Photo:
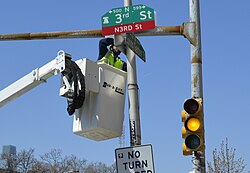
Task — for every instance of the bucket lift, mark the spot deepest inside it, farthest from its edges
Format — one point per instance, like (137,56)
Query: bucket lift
(95,94)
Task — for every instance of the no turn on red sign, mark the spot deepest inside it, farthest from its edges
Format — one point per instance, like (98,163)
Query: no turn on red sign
(137,159)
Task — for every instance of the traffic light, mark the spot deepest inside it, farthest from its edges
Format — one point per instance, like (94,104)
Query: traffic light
(193,129)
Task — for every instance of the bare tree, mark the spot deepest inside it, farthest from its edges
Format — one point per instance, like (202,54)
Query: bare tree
(75,164)
(55,162)
(112,168)
(99,167)
(39,167)
(9,162)
(25,160)
(52,160)
(224,160)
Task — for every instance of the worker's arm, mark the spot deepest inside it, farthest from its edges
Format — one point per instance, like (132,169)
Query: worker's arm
(103,44)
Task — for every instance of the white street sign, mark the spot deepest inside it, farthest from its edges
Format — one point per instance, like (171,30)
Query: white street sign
(137,159)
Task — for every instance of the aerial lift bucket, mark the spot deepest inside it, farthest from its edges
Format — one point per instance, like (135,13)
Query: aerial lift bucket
(102,114)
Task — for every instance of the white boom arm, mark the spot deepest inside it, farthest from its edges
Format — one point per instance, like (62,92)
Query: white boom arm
(33,79)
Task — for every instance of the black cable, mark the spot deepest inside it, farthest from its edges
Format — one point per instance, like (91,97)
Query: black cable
(81,92)
(72,96)
(75,97)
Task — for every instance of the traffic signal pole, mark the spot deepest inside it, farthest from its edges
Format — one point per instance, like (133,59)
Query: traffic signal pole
(96,33)
(134,113)
(196,76)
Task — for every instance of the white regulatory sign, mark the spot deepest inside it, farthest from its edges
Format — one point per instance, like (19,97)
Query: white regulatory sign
(137,159)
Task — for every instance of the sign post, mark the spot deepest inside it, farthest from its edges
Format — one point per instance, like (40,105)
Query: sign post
(137,159)
(128,19)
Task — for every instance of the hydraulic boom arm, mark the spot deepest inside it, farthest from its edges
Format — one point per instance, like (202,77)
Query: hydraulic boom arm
(33,79)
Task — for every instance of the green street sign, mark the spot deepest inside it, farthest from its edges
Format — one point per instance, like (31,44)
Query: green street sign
(134,44)
(128,15)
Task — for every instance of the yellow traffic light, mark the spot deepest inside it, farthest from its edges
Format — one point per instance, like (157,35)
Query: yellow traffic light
(193,129)
(192,124)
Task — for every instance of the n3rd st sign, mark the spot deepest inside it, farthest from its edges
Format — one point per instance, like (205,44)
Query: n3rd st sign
(128,19)
(137,159)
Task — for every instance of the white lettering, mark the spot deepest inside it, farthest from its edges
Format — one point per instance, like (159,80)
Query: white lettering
(138,26)
(117,29)
(126,9)
(118,10)
(138,7)
(146,15)
(149,14)
(125,15)
(143,14)
(125,28)
(119,18)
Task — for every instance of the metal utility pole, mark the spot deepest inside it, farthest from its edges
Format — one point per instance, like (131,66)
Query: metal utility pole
(196,75)
(97,33)
(134,114)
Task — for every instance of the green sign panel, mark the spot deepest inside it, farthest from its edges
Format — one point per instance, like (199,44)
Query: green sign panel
(128,15)
(134,44)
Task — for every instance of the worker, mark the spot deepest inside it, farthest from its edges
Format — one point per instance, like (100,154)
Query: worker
(110,56)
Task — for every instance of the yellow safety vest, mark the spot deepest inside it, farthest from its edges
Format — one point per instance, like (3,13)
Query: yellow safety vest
(118,63)
(111,60)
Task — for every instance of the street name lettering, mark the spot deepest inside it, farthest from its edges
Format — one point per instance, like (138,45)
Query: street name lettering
(128,28)
(120,17)
(125,28)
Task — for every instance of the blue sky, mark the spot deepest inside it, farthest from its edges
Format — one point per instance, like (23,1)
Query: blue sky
(39,119)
